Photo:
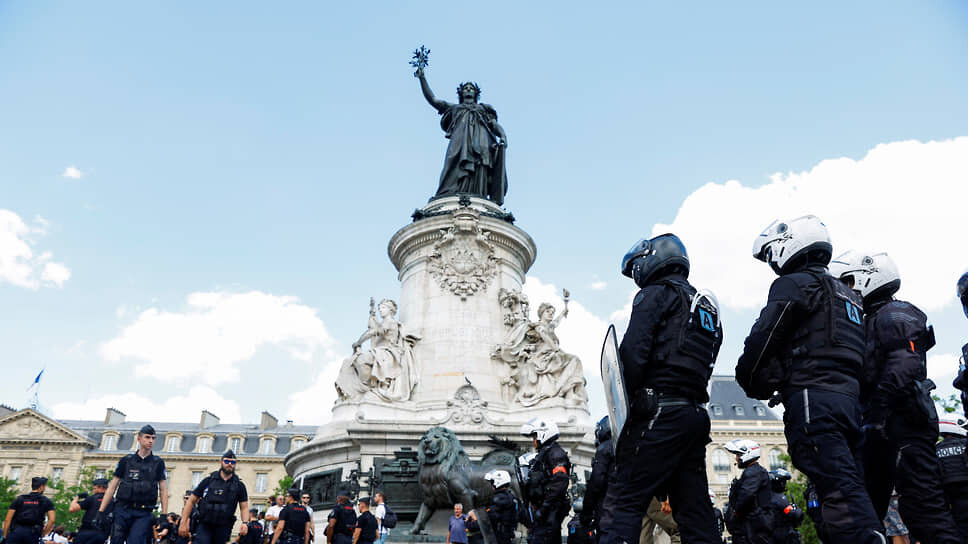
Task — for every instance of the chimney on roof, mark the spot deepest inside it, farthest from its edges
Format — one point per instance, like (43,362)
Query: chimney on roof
(208,420)
(268,421)
(289,423)
(113,417)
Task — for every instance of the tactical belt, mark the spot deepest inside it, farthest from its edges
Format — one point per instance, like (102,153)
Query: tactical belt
(665,401)
(141,507)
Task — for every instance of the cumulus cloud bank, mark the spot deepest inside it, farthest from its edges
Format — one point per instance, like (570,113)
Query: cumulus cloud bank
(217,330)
(905,198)
(185,407)
(19,264)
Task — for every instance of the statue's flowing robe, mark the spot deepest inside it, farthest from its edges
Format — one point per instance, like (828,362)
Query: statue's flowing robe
(474,163)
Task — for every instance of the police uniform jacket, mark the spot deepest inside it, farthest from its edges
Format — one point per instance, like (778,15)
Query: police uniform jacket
(663,348)
(504,514)
(139,480)
(218,498)
(952,461)
(897,333)
(91,504)
(30,510)
(597,485)
(810,335)
(548,478)
(345,518)
(749,502)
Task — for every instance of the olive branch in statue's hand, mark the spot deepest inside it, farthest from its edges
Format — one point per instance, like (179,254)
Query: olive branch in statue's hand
(420,60)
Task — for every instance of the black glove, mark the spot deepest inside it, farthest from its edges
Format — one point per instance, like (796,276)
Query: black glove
(101,522)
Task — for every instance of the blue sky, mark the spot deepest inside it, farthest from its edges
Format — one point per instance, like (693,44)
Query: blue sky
(236,148)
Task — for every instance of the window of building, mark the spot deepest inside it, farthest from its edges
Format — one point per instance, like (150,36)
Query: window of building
(15,473)
(205,444)
(760,411)
(717,409)
(261,482)
(57,474)
(236,445)
(99,473)
(738,410)
(197,478)
(721,461)
(775,461)
(109,442)
(168,475)
(268,446)
(298,443)
(173,444)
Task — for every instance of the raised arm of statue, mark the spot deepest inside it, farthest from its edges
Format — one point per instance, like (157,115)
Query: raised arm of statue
(438,104)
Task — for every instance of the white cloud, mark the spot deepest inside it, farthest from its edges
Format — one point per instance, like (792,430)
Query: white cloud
(72,172)
(942,369)
(19,265)
(217,330)
(905,198)
(598,285)
(580,333)
(136,407)
(314,404)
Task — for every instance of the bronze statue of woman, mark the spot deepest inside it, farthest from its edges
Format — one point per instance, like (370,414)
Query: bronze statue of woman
(474,163)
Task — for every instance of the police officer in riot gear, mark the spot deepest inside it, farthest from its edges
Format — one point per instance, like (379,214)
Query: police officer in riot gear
(30,515)
(217,496)
(578,533)
(786,516)
(668,353)
(89,533)
(954,469)
(504,510)
(597,484)
(295,523)
(749,517)
(341,520)
(961,381)
(547,485)
(898,410)
(808,344)
(139,479)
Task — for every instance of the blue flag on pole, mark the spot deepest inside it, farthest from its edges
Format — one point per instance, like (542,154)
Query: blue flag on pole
(36,380)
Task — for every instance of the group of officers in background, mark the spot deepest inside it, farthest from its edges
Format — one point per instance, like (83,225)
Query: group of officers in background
(844,357)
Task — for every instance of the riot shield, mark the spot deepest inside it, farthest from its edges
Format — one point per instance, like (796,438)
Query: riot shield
(521,470)
(613,377)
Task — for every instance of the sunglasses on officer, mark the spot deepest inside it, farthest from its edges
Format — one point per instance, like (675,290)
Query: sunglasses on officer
(229,461)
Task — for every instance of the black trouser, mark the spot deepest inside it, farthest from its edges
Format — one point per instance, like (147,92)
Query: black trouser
(549,531)
(956,495)
(22,534)
(824,436)
(908,462)
(664,454)
(341,538)
(90,536)
(208,533)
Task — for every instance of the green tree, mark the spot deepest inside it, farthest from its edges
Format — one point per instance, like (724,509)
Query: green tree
(950,405)
(62,495)
(8,492)
(283,487)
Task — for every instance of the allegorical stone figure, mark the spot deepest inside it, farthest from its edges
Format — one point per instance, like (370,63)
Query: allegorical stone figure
(474,163)
(388,368)
(537,367)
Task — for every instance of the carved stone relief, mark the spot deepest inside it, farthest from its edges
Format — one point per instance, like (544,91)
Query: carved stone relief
(463,261)
(467,406)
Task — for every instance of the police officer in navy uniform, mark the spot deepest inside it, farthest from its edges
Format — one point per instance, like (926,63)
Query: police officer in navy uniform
(750,517)
(217,496)
(89,533)
(787,517)
(899,413)
(30,516)
(954,469)
(341,520)
(254,533)
(138,481)
(547,485)
(597,484)
(808,344)
(961,380)
(295,524)
(504,510)
(668,353)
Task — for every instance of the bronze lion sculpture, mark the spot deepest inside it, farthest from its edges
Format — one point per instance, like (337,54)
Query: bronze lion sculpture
(447,475)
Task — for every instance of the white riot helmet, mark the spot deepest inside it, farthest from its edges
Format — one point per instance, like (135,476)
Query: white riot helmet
(869,272)
(747,450)
(952,425)
(542,430)
(790,242)
(498,478)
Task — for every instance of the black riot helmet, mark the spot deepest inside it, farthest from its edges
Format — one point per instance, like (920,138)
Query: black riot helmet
(603,431)
(779,479)
(650,256)
(963,291)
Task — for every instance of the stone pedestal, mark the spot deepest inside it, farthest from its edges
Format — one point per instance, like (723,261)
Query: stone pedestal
(453,261)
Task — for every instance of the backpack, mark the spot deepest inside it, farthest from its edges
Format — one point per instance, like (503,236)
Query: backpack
(390,518)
